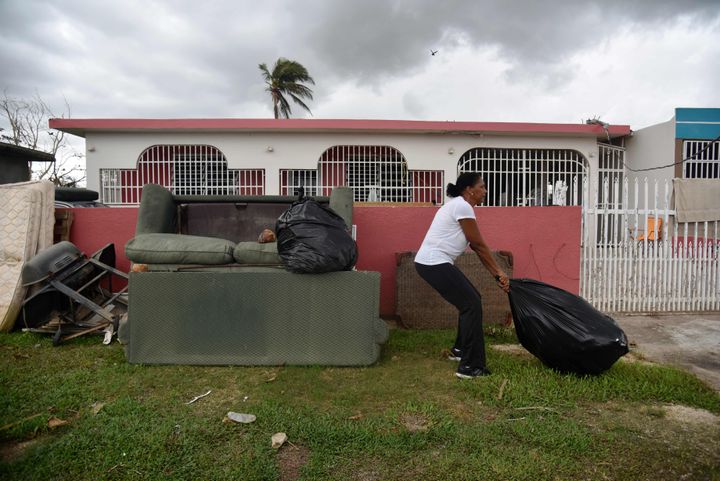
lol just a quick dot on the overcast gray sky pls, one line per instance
(627, 62)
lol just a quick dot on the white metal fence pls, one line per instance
(636, 257)
(184, 170)
(527, 177)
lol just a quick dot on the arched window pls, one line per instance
(184, 170)
(527, 177)
(376, 173)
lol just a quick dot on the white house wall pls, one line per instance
(302, 150)
(652, 147)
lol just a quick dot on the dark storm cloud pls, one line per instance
(189, 58)
(372, 38)
(124, 54)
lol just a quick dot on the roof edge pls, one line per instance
(82, 126)
(33, 155)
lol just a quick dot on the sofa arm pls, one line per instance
(157, 213)
(341, 201)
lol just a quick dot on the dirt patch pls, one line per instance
(693, 416)
(515, 349)
(671, 427)
(687, 429)
(290, 460)
(361, 469)
(635, 357)
(415, 422)
(365, 475)
(11, 451)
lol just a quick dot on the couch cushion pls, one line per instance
(179, 249)
(256, 253)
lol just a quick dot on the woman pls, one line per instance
(452, 229)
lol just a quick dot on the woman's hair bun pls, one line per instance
(452, 190)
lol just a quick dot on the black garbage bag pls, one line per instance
(563, 330)
(312, 239)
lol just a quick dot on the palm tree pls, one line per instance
(286, 79)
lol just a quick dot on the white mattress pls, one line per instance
(47, 207)
(26, 226)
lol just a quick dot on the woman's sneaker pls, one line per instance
(455, 354)
(469, 372)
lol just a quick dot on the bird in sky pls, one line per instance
(433, 52)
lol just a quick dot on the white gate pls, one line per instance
(636, 257)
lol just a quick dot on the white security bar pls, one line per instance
(704, 160)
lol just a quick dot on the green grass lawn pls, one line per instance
(406, 418)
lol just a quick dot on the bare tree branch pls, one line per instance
(28, 120)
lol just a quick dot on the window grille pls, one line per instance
(705, 165)
(527, 177)
(184, 170)
(427, 186)
(376, 173)
(611, 169)
(611, 174)
(292, 179)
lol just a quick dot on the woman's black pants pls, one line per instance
(455, 288)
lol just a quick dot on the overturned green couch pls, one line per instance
(204, 291)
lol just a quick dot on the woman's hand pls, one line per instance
(503, 281)
(478, 245)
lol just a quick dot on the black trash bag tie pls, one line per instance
(313, 239)
(563, 330)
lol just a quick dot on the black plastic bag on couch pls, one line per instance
(563, 330)
(312, 239)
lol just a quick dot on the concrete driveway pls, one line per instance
(689, 341)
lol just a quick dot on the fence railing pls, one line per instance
(636, 257)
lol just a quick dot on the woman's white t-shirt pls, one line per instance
(445, 240)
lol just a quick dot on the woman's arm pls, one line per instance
(478, 245)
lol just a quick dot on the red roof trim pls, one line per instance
(81, 126)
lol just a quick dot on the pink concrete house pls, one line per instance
(537, 177)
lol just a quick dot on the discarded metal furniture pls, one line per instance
(71, 295)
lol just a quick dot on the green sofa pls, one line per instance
(207, 292)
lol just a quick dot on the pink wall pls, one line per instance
(93, 228)
(545, 241)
